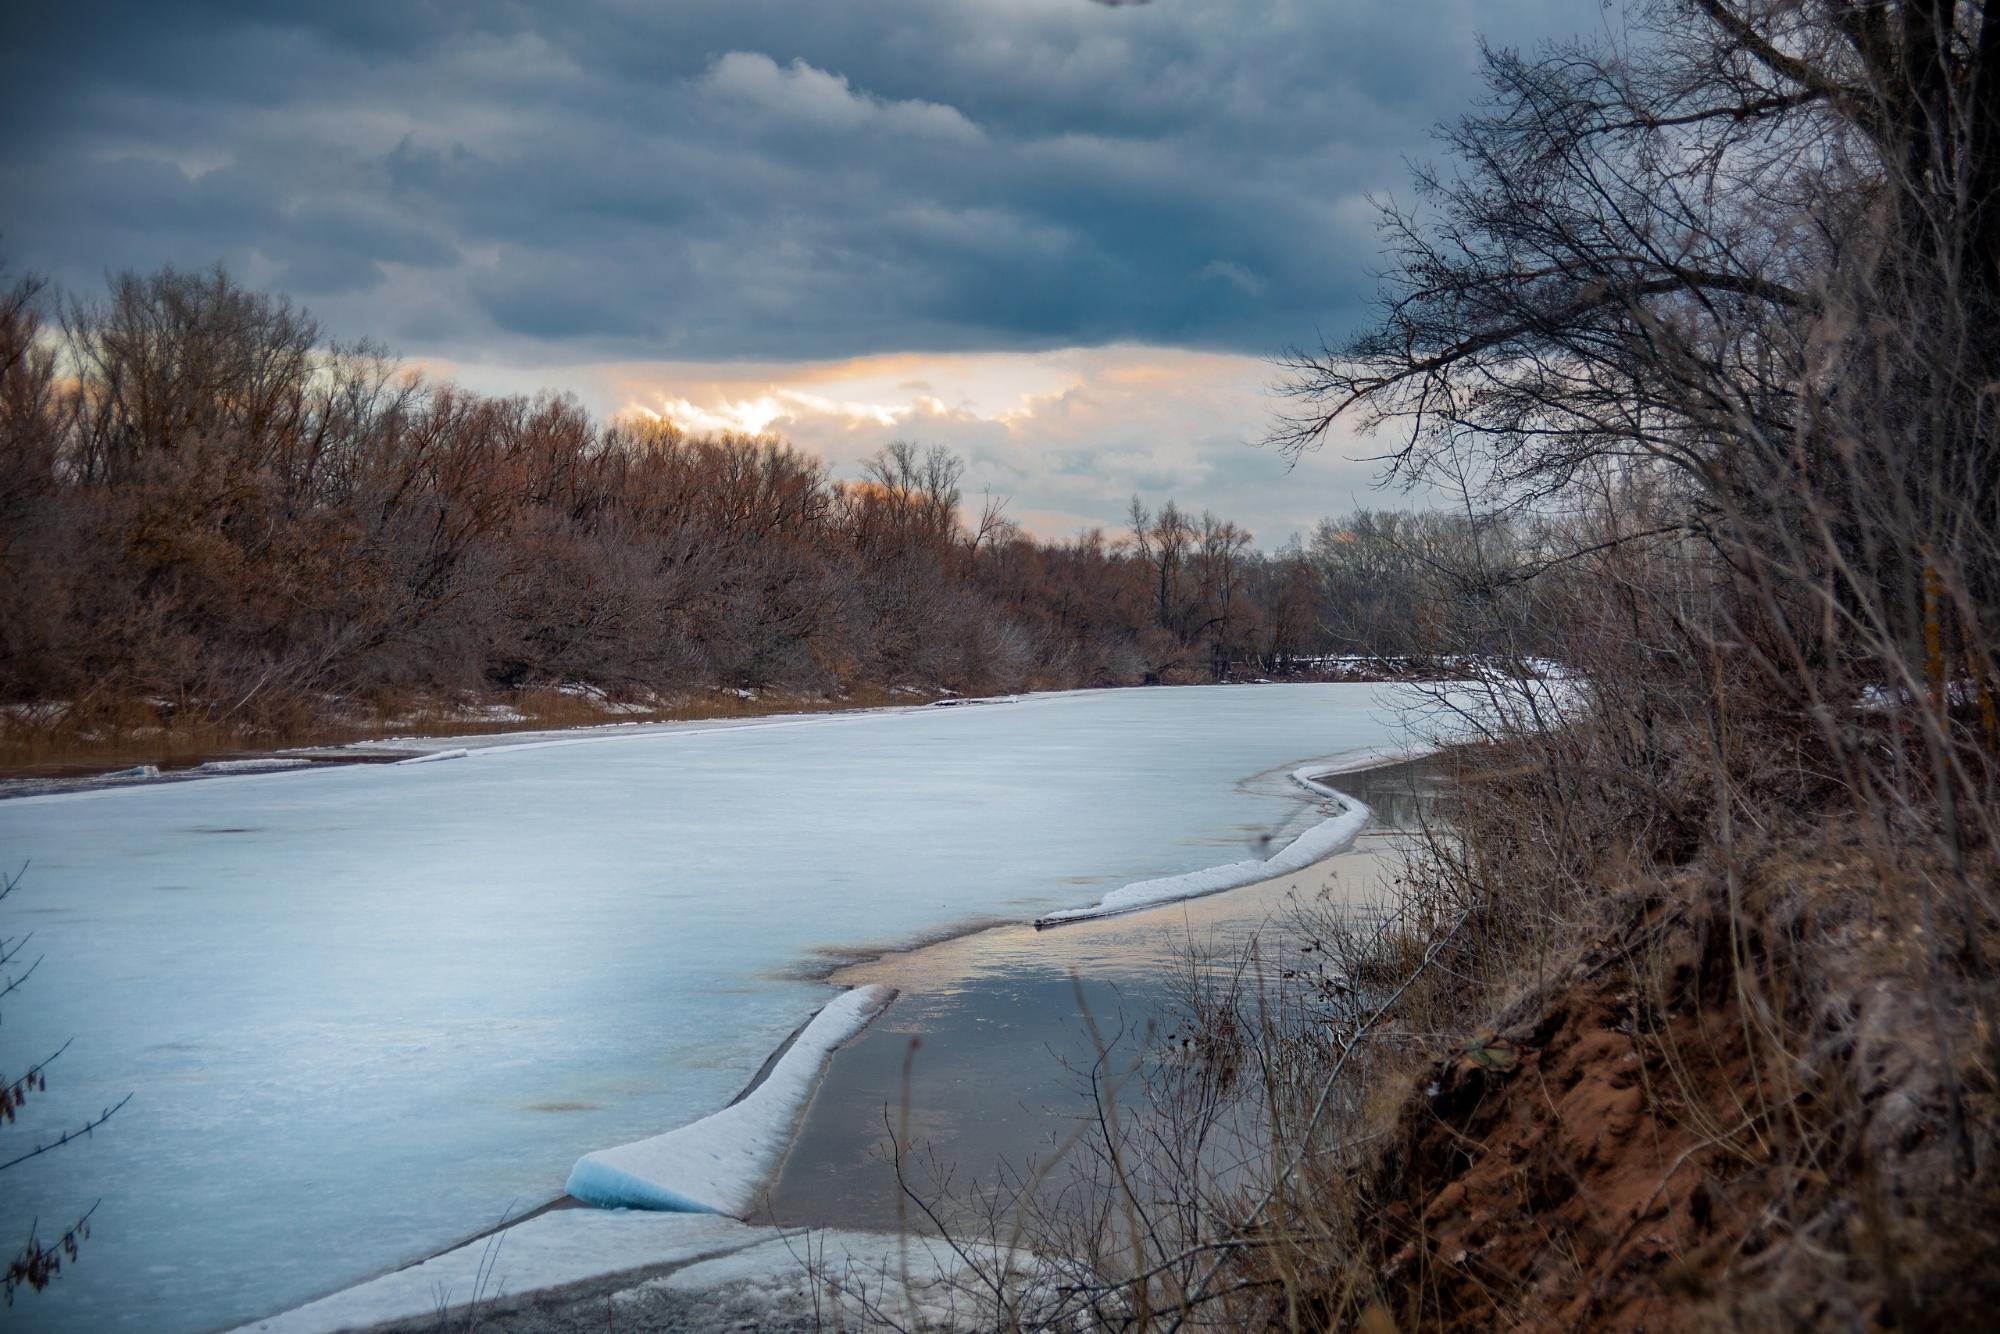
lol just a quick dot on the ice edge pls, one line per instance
(719, 1163)
(1315, 844)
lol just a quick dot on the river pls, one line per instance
(366, 1010)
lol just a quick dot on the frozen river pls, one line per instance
(365, 1010)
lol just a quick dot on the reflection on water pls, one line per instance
(1401, 795)
(1000, 1042)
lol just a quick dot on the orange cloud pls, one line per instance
(1067, 436)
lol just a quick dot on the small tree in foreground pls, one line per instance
(39, 1260)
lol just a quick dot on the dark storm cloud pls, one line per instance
(742, 178)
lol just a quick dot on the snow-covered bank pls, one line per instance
(1315, 844)
(720, 1163)
(263, 764)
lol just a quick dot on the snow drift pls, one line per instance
(269, 764)
(1315, 844)
(718, 1164)
(433, 756)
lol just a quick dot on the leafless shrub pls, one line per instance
(1711, 311)
(40, 1259)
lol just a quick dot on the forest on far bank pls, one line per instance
(210, 510)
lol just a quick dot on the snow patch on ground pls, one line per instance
(42, 714)
(596, 697)
(268, 764)
(826, 1279)
(550, 1250)
(488, 713)
(435, 755)
(720, 1163)
(864, 1280)
(1315, 844)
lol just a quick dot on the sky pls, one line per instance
(1065, 238)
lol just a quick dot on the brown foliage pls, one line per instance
(215, 521)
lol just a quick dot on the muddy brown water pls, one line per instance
(980, 1064)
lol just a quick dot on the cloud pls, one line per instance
(1067, 436)
(743, 178)
(1062, 238)
(801, 93)
(1229, 271)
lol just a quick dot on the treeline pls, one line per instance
(209, 507)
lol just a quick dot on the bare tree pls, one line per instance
(1749, 252)
(39, 1260)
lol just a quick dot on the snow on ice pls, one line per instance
(1315, 844)
(721, 1162)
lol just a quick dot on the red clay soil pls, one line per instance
(1623, 1154)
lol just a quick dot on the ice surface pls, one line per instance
(721, 1163)
(366, 1009)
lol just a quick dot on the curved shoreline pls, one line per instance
(1323, 840)
(721, 1163)
(1314, 845)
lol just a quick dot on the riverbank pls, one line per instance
(1755, 1092)
(38, 753)
(1737, 1080)
(50, 746)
